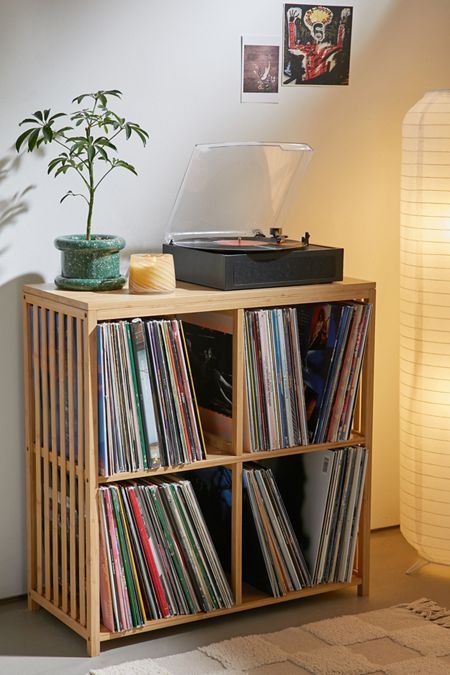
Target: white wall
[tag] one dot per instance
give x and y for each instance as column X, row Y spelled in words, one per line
column 178, row 65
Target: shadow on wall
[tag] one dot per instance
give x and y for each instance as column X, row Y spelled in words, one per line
column 12, row 477
column 13, row 206
column 12, row 444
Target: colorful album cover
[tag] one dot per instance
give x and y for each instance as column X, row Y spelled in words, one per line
column 318, row 327
column 316, row 44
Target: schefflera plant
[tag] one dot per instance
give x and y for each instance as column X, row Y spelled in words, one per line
column 88, row 141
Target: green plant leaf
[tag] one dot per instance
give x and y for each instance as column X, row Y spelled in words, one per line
column 80, row 97
column 22, row 138
column 105, row 141
column 63, row 169
column 91, row 152
column 54, row 163
column 28, row 120
column 77, row 151
column 56, row 115
column 119, row 120
column 39, row 115
column 79, row 139
column 48, row 133
column 125, row 165
column 72, row 194
column 102, row 153
column 32, row 140
column 68, row 194
column 79, row 144
column 143, row 135
column 137, row 127
column 114, row 92
column 60, row 133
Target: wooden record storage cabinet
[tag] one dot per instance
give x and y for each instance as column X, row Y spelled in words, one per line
column 63, row 552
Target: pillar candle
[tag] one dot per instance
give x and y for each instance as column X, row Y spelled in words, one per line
column 151, row 273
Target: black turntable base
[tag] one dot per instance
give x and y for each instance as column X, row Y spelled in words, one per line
column 265, row 269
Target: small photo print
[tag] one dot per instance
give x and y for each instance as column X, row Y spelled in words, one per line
column 260, row 69
column 316, row 44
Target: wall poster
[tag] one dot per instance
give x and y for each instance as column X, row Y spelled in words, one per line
column 316, row 44
column 260, row 69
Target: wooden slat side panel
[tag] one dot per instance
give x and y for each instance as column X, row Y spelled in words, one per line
column 37, row 401
column 63, row 434
column 71, row 400
column 53, row 495
column 81, row 449
column 46, row 440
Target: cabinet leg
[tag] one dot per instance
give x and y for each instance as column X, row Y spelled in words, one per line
column 363, row 588
column 93, row 646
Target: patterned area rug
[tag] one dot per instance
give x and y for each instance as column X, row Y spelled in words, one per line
column 408, row 639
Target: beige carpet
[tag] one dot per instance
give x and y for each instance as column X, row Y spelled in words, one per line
column 408, row 639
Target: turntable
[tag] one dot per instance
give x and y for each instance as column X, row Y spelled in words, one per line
column 226, row 227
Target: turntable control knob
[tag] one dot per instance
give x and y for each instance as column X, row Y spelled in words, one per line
column 305, row 239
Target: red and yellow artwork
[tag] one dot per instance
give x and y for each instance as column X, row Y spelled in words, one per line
column 316, row 44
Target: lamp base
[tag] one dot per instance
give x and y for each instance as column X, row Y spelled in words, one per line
column 416, row 566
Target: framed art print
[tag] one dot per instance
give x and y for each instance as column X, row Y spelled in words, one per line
column 316, row 44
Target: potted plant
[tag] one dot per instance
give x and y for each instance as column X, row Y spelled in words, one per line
column 87, row 138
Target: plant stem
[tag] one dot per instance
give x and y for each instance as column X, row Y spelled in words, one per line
column 91, row 181
column 91, row 199
column 104, row 176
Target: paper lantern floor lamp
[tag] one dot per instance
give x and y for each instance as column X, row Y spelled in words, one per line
column 425, row 328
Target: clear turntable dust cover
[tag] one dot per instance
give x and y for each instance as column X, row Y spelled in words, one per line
column 234, row 190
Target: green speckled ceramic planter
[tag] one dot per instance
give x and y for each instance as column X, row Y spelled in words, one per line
column 90, row 265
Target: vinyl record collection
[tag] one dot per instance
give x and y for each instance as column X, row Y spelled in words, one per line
column 302, row 371
column 300, row 517
column 332, row 343
column 157, row 558
column 284, row 562
column 329, row 511
column 303, row 366
column 147, row 413
column 275, row 396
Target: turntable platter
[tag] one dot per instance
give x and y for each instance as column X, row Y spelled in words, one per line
column 242, row 244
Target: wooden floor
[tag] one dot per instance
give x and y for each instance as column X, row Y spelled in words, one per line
column 34, row 643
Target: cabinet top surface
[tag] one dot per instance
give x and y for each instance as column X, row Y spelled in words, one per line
column 192, row 298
